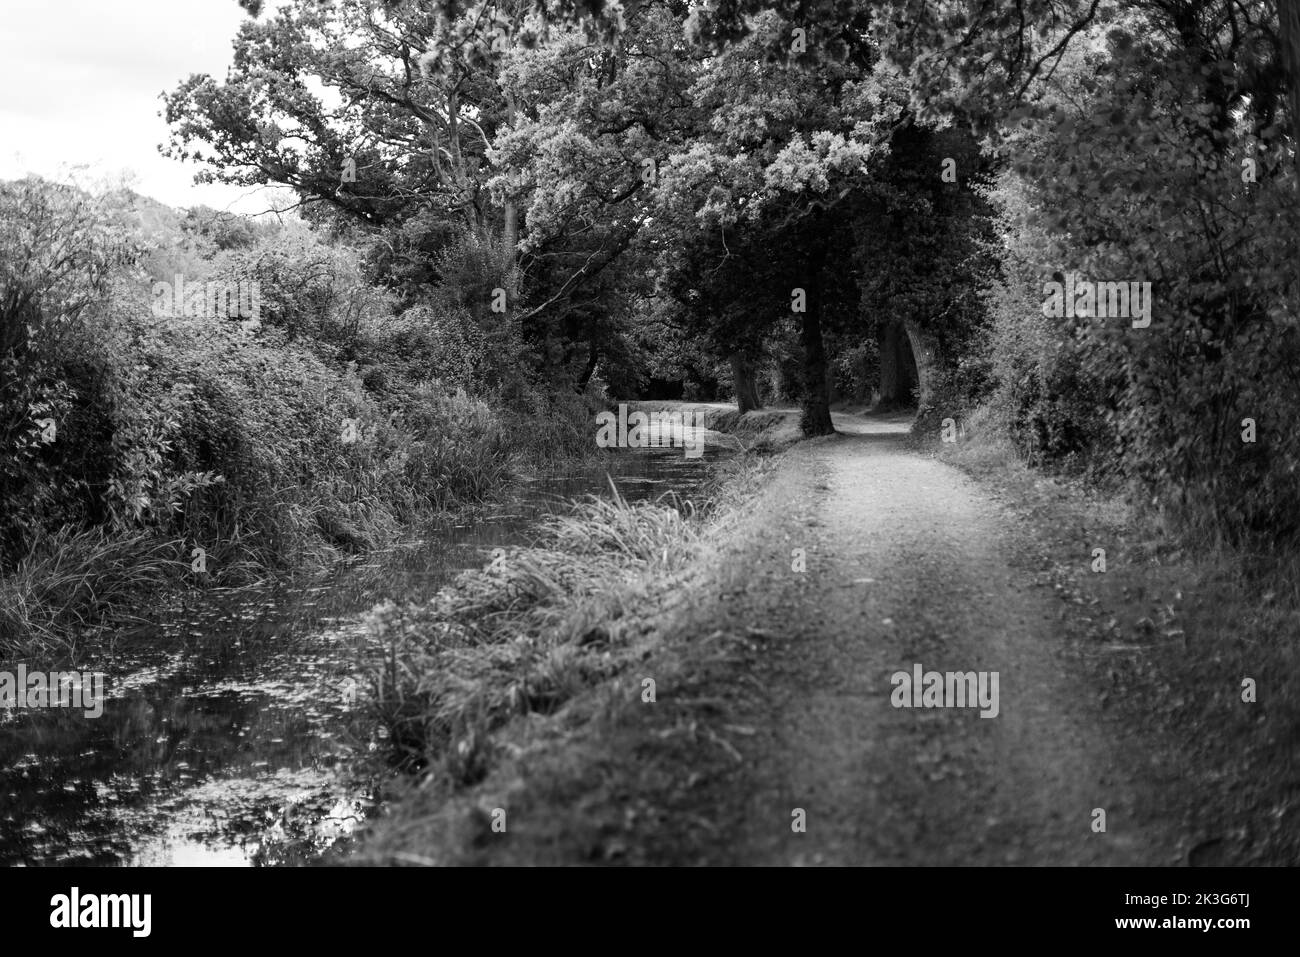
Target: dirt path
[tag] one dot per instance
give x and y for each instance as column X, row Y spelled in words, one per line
column 774, row 693
column 908, row 562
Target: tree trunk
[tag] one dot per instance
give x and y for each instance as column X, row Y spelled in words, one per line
column 744, row 384
column 889, row 372
column 816, row 418
column 926, row 354
column 1288, row 12
column 593, row 359
column 897, row 366
column 511, row 236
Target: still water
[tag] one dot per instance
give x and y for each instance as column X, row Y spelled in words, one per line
column 229, row 734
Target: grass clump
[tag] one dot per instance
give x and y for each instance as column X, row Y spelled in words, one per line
column 526, row 634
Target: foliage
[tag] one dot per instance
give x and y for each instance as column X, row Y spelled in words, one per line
column 1150, row 113
column 130, row 433
column 526, row 634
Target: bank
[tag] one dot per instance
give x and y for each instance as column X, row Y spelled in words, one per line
column 508, row 695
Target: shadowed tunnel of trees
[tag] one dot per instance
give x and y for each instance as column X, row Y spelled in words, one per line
column 899, row 376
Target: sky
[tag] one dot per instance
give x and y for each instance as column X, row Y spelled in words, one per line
column 80, row 83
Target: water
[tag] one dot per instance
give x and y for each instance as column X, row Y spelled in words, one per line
column 229, row 734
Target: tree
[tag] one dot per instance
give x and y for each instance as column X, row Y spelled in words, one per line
column 783, row 152
column 594, row 121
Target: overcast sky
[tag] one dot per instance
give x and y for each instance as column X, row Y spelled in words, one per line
column 80, row 81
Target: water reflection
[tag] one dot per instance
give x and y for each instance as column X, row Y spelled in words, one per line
column 228, row 736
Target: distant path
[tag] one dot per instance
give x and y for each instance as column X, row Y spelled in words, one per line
column 908, row 562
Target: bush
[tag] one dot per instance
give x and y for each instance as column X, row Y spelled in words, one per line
column 1162, row 407
column 526, row 634
column 458, row 452
column 174, row 433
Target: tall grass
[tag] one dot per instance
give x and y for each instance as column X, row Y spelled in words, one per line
column 541, row 624
column 71, row 580
column 526, row 633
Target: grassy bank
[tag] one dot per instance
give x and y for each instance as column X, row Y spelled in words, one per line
column 1172, row 629
column 238, row 486
column 507, row 690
